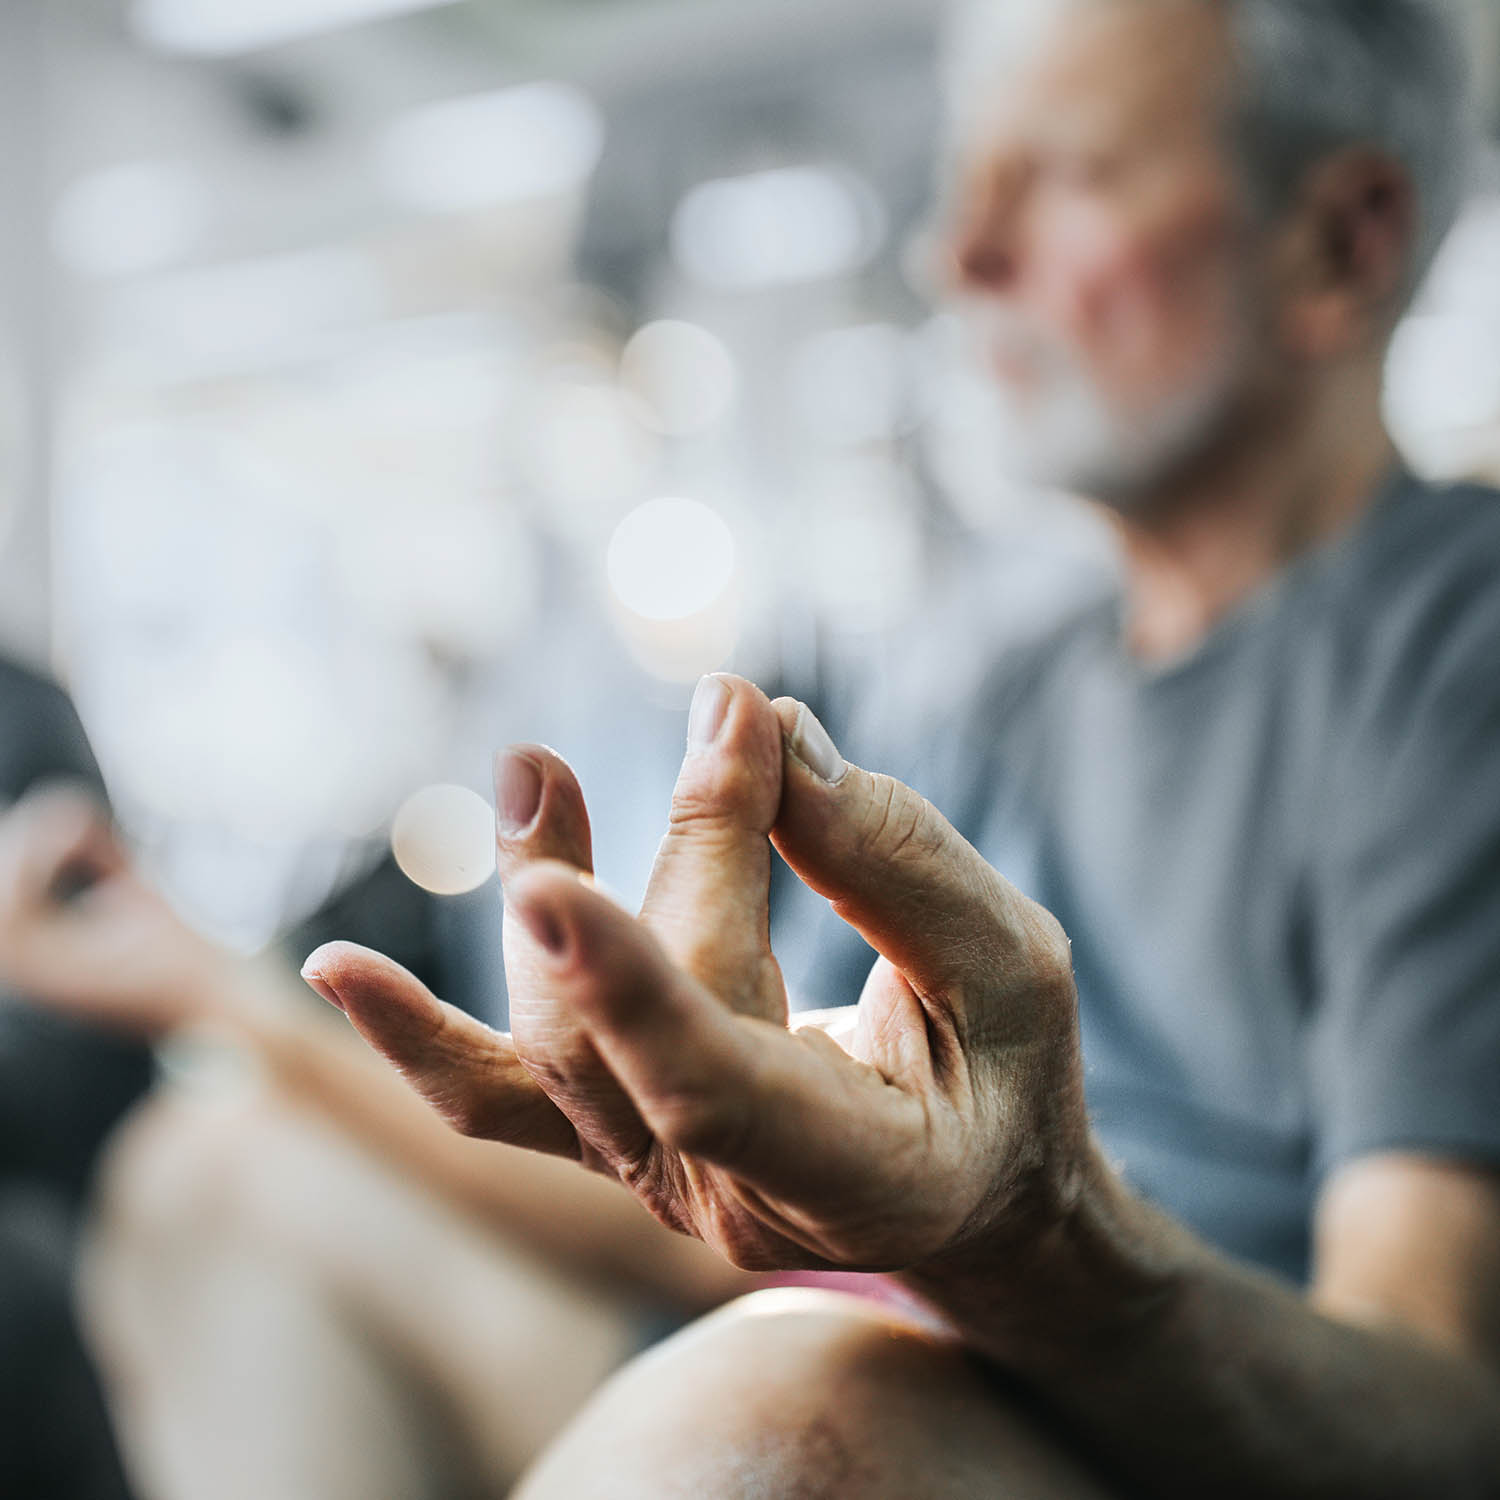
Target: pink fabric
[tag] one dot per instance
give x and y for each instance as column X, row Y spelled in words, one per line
column 883, row 1290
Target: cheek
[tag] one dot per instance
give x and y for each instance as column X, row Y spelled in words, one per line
column 1146, row 309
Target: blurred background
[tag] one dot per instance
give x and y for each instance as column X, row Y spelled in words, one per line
column 384, row 380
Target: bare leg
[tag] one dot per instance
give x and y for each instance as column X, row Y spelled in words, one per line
column 806, row 1396
column 280, row 1315
column 248, row 1384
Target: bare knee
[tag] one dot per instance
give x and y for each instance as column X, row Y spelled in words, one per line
column 171, row 1196
column 810, row 1395
column 172, row 1164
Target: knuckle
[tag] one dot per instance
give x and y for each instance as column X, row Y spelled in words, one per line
column 1049, row 949
column 698, row 808
column 724, row 792
column 901, row 824
column 1025, row 931
column 706, row 835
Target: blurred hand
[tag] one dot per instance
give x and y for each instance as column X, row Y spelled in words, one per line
column 944, row 1118
column 82, row 934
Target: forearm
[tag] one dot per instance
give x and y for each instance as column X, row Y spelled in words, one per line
column 1186, row 1374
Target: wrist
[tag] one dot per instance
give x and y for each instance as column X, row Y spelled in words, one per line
column 1091, row 1275
column 196, row 981
column 210, row 987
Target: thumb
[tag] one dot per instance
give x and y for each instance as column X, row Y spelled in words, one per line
column 902, row 876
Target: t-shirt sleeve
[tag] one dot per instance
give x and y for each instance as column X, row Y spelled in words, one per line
column 1406, row 1032
column 41, row 738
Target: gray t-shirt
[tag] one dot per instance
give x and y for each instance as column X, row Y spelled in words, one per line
column 1278, row 859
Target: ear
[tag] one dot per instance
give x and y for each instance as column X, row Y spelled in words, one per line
column 1346, row 255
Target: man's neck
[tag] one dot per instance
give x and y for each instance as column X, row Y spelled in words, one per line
column 1213, row 538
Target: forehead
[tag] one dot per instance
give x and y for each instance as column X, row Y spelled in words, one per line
column 1119, row 71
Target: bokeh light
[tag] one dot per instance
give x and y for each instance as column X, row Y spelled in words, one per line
column 777, row 228
column 536, row 141
column 671, row 559
column 444, row 840
column 226, row 318
column 130, row 219
column 672, row 568
column 376, row 348
column 583, row 448
column 217, row 28
column 458, row 575
column 682, row 375
column 239, row 732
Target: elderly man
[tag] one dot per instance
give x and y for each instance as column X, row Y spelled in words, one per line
column 1256, row 783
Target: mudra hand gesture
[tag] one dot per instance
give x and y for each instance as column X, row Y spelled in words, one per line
column 82, row 932
column 942, row 1119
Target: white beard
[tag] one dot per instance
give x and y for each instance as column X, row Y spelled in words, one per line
column 1060, row 432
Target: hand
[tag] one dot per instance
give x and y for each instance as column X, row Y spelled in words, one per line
column 947, row 1119
column 81, row 933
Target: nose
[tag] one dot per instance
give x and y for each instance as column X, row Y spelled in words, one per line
column 980, row 260
column 983, row 246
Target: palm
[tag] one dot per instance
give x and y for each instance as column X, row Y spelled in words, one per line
column 826, row 1211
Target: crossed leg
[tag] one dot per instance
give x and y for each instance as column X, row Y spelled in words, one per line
column 803, row 1395
column 280, row 1314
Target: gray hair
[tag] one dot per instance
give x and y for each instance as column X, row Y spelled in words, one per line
column 1324, row 74
column 1319, row 75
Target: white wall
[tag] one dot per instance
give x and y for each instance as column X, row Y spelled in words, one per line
column 24, row 523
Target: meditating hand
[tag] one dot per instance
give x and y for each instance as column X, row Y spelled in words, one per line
column 941, row 1120
column 81, row 931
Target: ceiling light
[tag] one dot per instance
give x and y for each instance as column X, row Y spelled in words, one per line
column 777, row 228
column 540, row 140
column 222, row 28
column 129, row 219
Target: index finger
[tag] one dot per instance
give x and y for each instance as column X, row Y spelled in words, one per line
column 542, row 821
column 793, row 1114
column 464, row 1070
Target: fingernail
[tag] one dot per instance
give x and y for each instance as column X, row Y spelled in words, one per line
column 813, row 746
column 518, row 791
column 709, row 711
column 545, row 929
column 321, row 986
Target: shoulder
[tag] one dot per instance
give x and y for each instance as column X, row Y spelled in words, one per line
column 40, row 733
column 19, row 684
column 1407, row 681
column 1418, row 600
